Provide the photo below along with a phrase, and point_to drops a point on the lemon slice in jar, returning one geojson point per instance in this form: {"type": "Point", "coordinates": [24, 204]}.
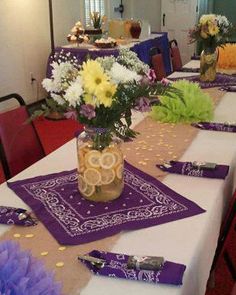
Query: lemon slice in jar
{"type": "Point", "coordinates": [92, 176]}
{"type": "Point", "coordinates": [119, 171]}
{"type": "Point", "coordinates": [92, 158]}
{"type": "Point", "coordinates": [89, 190]}
{"type": "Point", "coordinates": [82, 185]}
{"type": "Point", "coordinates": [107, 175]}
{"type": "Point", "coordinates": [118, 155]}
{"type": "Point", "coordinates": [107, 160]}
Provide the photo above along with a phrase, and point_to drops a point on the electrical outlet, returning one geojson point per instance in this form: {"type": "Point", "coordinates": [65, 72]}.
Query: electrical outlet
{"type": "Point", "coordinates": [32, 78]}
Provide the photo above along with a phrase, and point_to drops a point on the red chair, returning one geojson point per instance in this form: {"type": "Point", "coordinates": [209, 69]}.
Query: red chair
{"type": "Point", "coordinates": [20, 146]}
{"type": "Point", "coordinates": [223, 269]}
{"type": "Point", "coordinates": [234, 290]}
{"type": "Point", "coordinates": [175, 56]}
{"type": "Point", "coordinates": [157, 63]}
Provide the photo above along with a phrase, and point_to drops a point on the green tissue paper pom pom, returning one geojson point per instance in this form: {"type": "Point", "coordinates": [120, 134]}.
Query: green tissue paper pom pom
{"type": "Point", "coordinates": [193, 106]}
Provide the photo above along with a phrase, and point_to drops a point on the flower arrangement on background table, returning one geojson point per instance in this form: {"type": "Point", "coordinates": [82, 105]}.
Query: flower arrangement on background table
{"type": "Point", "coordinates": [211, 31]}
{"type": "Point", "coordinates": [101, 94]}
{"type": "Point", "coordinates": [97, 19]}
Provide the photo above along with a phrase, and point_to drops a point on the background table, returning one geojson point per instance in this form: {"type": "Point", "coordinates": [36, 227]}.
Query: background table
{"type": "Point", "coordinates": [141, 47]}
{"type": "Point", "coordinates": [191, 241]}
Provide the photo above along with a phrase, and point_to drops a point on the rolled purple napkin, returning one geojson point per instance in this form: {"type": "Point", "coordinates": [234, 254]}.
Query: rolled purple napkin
{"type": "Point", "coordinates": [229, 88]}
{"type": "Point", "coordinates": [17, 216]}
{"type": "Point", "coordinates": [189, 70]}
{"type": "Point", "coordinates": [187, 168]}
{"type": "Point", "coordinates": [116, 266]}
{"type": "Point", "coordinates": [226, 127]}
{"type": "Point", "coordinates": [195, 57]}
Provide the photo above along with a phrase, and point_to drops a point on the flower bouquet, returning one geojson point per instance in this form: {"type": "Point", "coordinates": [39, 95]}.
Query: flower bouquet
{"type": "Point", "coordinates": [211, 31]}
{"type": "Point", "coordinates": [101, 94]}
{"type": "Point", "coordinates": [97, 20]}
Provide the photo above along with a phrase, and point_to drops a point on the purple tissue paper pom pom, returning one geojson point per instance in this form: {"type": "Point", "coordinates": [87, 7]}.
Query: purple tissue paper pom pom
{"type": "Point", "coordinates": [22, 274]}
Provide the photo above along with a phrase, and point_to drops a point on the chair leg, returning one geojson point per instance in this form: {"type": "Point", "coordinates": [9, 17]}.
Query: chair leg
{"type": "Point", "coordinates": [5, 166]}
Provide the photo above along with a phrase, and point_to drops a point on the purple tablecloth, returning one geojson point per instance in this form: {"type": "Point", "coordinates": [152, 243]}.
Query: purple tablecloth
{"type": "Point", "coordinates": [142, 50]}
{"type": "Point", "coordinates": [116, 267]}
{"type": "Point", "coordinates": [221, 80]}
{"type": "Point", "coordinates": [71, 219]}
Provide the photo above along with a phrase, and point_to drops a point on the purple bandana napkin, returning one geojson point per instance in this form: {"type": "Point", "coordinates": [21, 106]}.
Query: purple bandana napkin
{"type": "Point", "coordinates": [225, 127]}
{"type": "Point", "coordinates": [221, 80]}
{"type": "Point", "coordinates": [195, 57]}
{"type": "Point", "coordinates": [74, 220]}
{"type": "Point", "coordinates": [229, 88]}
{"type": "Point", "coordinates": [18, 216]}
{"type": "Point", "coordinates": [116, 267]}
{"type": "Point", "coordinates": [189, 70]}
{"type": "Point", "coordinates": [186, 168]}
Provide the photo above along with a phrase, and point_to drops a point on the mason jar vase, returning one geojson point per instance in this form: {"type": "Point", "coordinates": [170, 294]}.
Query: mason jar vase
{"type": "Point", "coordinates": [100, 165]}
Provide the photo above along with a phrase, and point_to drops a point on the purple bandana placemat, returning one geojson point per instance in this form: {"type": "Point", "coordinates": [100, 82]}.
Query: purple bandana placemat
{"type": "Point", "coordinates": [186, 168]}
{"type": "Point", "coordinates": [73, 220]}
{"type": "Point", "coordinates": [17, 216]}
{"type": "Point", "coordinates": [225, 127]}
{"type": "Point", "coordinates": [116, 267]}
{"type": "Point", "coordinates": [221, 80]}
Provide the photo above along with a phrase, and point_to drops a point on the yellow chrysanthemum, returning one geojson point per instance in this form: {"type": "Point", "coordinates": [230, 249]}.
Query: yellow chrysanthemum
{"type": "Point", "coordinates": [206, 18]}
{"type": "Point", "coordinates": [91, 99]}
{"type": "Point", "coordinates": [93, 75]}
{"type": "Point", "coordinates": [203, 34]}
{"type": "Point", "coordinates": [213, 29]}
{"type": "Point", "coordinates": [105, 93]}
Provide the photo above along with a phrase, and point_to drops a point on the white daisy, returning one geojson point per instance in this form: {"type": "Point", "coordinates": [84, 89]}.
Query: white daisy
{"type": "Point", "coordinates": [73, 94]}
{"type": "Point", "coordinates": [120, 74]}
{"type": "Point", "coordinates": [58, 98]}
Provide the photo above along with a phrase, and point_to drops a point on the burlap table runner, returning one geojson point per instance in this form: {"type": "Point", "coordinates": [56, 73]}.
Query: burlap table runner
{"type": "Point", "coordinates": [155, 143]}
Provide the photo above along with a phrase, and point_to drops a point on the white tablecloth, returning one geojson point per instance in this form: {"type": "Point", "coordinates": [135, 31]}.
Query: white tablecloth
{"type": "Point", "coordinates": [191, 241]}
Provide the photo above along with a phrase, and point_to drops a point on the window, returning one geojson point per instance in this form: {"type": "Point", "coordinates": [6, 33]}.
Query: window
{"type": "Point", "coordinates": [91, 6]}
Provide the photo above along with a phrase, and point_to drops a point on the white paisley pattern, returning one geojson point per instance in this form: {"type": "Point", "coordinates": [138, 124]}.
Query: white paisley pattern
{"type": "Point", "coordinates": [188, 169]}
{"type": "Point", "coordinates": [149, 202]}
{"type": "Point", "coordinates": [118, 269]}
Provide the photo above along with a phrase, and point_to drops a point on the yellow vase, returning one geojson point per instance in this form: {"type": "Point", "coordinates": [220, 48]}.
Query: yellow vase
{"type": "Point", "coordinates": [208, 62]}
{"type": "Point", "coordinates": [100, 165]}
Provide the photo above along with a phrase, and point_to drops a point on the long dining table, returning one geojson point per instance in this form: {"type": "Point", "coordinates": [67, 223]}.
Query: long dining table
{"type": "Point", "coordinates": [191, 241]}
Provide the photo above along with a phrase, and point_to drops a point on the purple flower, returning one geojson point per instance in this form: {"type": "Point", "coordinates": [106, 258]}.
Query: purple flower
{"type": "Point", "coordinates": [143, 104]}
{"type": "Point", "coordinates": [71, 114]}
{"type": "Point", "coordinates": [88, 111]}
{"type": "Point", "coordinates": [151, 76]}
{"type": "Point", "coordinates": [165, 82]}
{"type": "Point", "coordinates": [22, 274]}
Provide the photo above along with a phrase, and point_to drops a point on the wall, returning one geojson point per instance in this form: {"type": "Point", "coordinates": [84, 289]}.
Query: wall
{"type": "Point", "coordinates": [111, 4]}
{"type": "Point", "coordinates": [138, 9]}
{"type": "Point", "coordinates": [64, 17]}
{"type": "Point", "coordinates": [227, 8]}
{"type": "Point", "coordinates": [25, 45]}
{"type": "Point", "coordinates": [25, 37]}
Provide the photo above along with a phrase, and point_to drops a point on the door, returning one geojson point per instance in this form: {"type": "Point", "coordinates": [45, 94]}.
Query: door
{"type": "Point", "coordinates": [178, 16]}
